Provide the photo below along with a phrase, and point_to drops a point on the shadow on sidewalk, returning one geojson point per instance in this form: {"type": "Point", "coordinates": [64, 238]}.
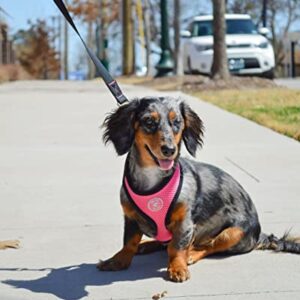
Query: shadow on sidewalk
{"type": "Point", "coordinates": [69, 283]}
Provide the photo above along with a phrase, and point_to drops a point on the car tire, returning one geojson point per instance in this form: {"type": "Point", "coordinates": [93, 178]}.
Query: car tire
{"type": "Point", "coordinates": [269, 74]}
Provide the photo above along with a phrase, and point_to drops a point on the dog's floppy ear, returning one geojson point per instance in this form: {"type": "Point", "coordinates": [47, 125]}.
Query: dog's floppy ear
{"type": "Point", "coordinates": [119, 127]}
{"type": "Point", "coordinates": [193, 131]}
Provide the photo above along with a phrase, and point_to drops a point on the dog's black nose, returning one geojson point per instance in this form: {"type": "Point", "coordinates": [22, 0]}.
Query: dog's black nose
{"type": "Point", "coordinates": [167, 151]}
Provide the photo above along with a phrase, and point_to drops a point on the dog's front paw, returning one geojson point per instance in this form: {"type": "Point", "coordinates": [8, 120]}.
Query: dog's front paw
{"type": "Point", "coordinates": [112, 264]}
{"type": "Point", "coordinates": [178, 273]}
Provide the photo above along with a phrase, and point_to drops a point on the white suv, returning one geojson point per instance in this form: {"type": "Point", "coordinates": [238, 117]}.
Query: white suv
{"type": "Point", "coordinates": [249, 52]}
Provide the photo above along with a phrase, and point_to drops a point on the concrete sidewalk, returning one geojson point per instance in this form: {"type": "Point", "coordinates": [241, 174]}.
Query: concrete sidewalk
{"type": "Point", "coordinates": [59, 191]}
{"type": "Point", "coordinates": [291, 83]}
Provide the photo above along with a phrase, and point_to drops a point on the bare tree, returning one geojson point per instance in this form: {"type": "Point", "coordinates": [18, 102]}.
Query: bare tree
{"type": "Point", "coordinates": [128, 38]}
{"type": "Point", "coordinates": [176, 34]}
{"type": "Point", "coordinates": [147, 24]}
{"type": "Point", "coordinates": [35, 51]}
{"type": "Point", "coordinates": [219, 68]}
{"type": "Point", "coordinates": [288, 11]}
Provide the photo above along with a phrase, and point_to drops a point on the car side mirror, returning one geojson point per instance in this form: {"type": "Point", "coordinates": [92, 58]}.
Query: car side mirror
{"type": "Point", "coordinates": [185, 34]}
{"type": "Point", "coordinates": [264, 31]}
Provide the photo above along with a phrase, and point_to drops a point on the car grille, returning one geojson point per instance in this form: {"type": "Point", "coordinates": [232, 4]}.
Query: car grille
{"type": "Point", "coordinates": [239, 46]}
{"type": "Point", "coordinates": [251, 63]}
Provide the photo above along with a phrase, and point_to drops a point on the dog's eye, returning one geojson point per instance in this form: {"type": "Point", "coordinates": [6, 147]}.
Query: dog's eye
{"type": "Point", "coordinates": [149, 124]}
{"type": "Point", "coordinates": [176, 125]}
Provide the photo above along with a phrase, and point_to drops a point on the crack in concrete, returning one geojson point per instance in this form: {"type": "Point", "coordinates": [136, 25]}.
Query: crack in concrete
{"type": "Point", "coordinates": [242, 169]}
{"type": "Point", "coordinates": [249, 293]}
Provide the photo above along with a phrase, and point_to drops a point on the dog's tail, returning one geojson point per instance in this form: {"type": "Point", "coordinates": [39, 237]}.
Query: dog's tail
{"type": "Point", "coordinates": [286, 243]}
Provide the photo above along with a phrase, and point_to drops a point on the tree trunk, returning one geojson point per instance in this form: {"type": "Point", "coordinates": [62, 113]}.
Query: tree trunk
{"type": "Point", "coordinates": [91, 67]}
{"type": "Point", "coordinates": [128, 51]}
{"type": "Point", "coordinates": [147, 29]}
{"type": "Point", "coordinates": [219, 68]}
{"type": "Point", "coordinates": [176, 36]}
{"type": "Point", "coordinates": [103, 33]}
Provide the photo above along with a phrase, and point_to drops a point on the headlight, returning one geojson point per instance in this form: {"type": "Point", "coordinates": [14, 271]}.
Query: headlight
{"type": "Point", "coordinates": [201, 48]}
{"type": "Point", "coordinates": [263, 45]}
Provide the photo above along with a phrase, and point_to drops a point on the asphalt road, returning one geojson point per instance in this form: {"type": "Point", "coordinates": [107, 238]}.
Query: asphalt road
{"type": "Point", "coordinates": [59, 190]}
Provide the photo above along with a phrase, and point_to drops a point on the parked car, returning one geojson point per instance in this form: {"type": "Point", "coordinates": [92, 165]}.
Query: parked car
{"type": "Point", "coordinates": [249, 51]}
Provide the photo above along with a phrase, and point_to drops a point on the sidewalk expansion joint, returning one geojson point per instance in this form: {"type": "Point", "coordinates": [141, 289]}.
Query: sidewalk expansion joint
{"type": "Point", "coordinates": [242, 169]}
{"type": "Point", "coordinates": [197, 296]}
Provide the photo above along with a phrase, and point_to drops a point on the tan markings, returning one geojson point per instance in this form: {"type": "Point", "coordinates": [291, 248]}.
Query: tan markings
{"type": "Point", "coordinates": [155, 115]}
{"type": "Point", "coordinates": [177, 216]}
{"type": "Point", "coordinates": [128, 210]}
{"type": "Point", "coordinates": [177, 136]}
{"type": "Point", "coordinates": [177, 268]}
{"type": "Point", "coordinates": [172, 115]}
{"type": "Point", "coordinates": [152, 141]}
{"type": "Point", "coordinates": [224, 241]}
{"type": "Point", "coordinates": [123, 258]}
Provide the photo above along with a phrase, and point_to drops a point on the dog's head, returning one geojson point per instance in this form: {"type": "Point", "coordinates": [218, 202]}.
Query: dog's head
{"type": "Point", "coordinates": [155, 126]}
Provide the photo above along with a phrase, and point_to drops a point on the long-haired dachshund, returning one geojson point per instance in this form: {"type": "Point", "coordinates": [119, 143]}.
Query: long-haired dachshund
{"type": "Point", "coordinates": [193, 209]}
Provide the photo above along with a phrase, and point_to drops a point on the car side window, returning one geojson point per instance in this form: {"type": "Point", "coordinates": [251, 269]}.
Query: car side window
{"type": "Point", "coordinates": [202, 28]}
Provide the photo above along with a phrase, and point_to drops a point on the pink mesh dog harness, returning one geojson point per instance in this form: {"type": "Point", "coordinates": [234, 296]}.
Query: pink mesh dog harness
{"type": "Point", "coordinates": [156, 206]}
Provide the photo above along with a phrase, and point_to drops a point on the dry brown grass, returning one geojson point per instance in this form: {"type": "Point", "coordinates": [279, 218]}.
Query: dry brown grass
{"type": "Point", "coordinates": [276, 108]}
{"type": "Point", "coordinates": [12, 73]}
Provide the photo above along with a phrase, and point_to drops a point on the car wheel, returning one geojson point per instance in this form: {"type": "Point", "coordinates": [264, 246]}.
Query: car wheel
{"type": "Point", "coordinates": [269, 74]}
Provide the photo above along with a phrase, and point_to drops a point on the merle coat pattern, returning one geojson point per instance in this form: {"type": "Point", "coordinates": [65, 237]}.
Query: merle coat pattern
{"type": "Point", "coordinates": [213, 212]}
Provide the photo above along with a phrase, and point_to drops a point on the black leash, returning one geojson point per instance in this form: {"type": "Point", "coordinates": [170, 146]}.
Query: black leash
{"type": "Point", "coordinates": [109, 81]}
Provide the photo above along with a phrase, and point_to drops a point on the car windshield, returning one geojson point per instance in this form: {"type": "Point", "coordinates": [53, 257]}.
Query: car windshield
{"type": "Point", "coordinates": [234, 26]}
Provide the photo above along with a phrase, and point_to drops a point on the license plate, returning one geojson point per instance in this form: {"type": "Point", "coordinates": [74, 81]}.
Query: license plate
{"type": "Point", "coordinates": [236, 64]}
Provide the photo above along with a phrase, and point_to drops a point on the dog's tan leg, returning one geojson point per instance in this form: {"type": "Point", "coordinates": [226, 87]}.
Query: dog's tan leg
{"type": "Point", "coordinates": [150, 246]}
{"type": "Point", "coordinates": [177, 269]}
{"type": "Point", "coordinates": [10, 244]}
{"type": "Point", "coordinates": [123, 258]}
{"type": "Point", "coordinates": [224, 241]}
{"type": "Point", "coordinates": [182, 232]}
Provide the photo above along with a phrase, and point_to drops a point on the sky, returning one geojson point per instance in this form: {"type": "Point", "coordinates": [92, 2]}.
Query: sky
{"type": "Point", "coordinates": [22, 10]}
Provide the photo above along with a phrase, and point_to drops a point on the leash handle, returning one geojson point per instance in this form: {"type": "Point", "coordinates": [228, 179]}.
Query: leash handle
{"type": "Point", "coordinates": [107, 78]}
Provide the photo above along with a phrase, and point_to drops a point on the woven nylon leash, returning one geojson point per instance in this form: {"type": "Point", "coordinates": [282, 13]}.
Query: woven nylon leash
{"type": "Point", "coordinates": [109, 81]}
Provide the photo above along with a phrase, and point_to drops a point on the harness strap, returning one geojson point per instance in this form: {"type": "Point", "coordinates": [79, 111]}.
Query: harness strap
{"type": "Point", "coordinates": [107, 78]}
{"type": "Point", "coordinates": [156, 207]}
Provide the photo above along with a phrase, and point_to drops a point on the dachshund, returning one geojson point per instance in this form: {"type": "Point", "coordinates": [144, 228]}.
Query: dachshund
{"type": "Point", "coordinates": [209, 212]}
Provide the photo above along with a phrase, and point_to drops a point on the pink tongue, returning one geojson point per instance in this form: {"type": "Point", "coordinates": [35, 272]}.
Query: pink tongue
{"type": "Point", "coordinates": [166, 164]}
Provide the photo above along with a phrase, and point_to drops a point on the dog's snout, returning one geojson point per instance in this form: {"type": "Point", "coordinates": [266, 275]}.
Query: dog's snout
{"type": "Point", "coordinates": [167, 151]}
